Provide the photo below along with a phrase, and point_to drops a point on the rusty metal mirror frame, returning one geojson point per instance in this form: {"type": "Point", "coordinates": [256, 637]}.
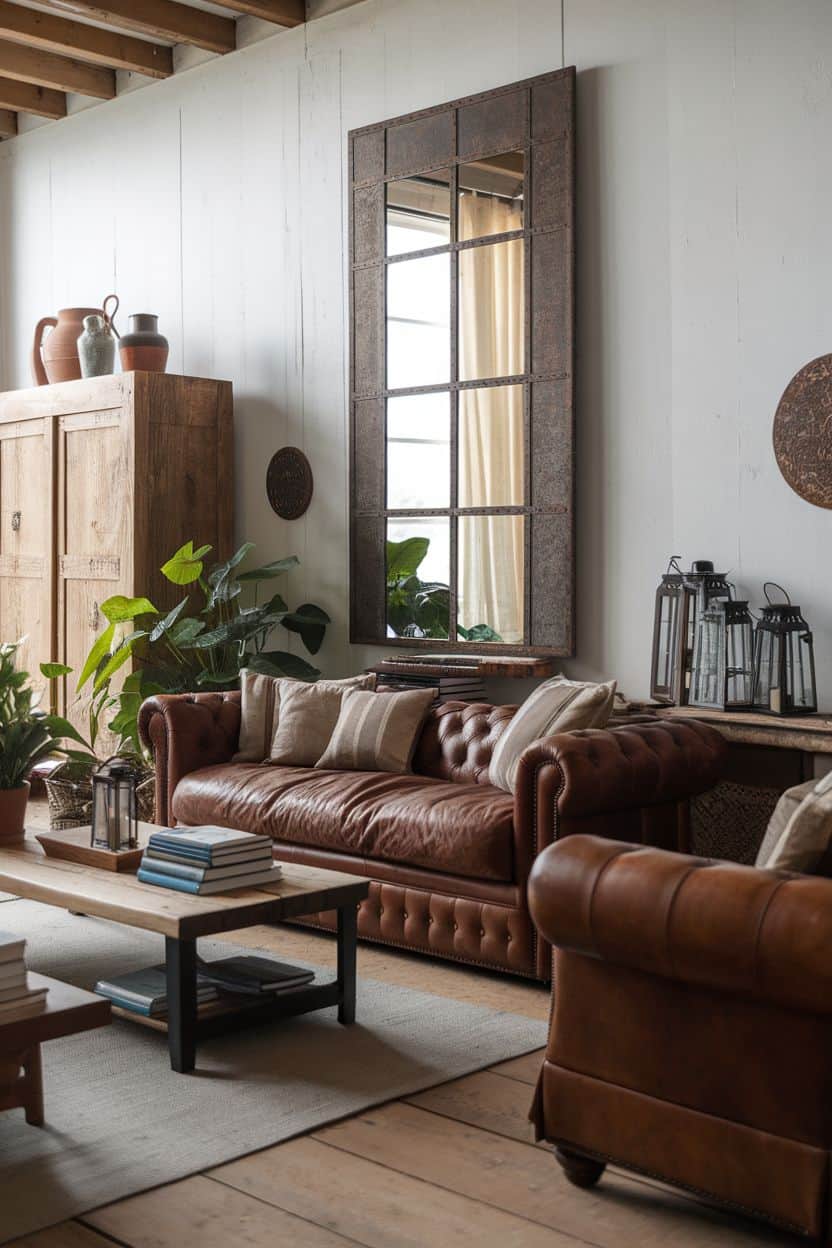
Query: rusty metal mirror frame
{"type": "Point", "coordinates": [536, 116]}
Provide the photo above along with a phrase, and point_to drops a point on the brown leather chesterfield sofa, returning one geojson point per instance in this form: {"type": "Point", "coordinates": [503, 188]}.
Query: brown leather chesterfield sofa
{"type": "Point", "coordinates": [691, 1038]}
{"type": "Point", "coordinates": [449, 854]}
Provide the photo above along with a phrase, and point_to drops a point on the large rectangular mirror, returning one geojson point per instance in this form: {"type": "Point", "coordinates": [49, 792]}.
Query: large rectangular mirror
{"type": "Point", "coordinates": [462, 353]}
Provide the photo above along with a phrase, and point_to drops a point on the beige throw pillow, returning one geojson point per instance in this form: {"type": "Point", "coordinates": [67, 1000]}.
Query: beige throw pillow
{"type": "Point", "coordinates": [806, 837]}
{"type": "Point", "coordinates": [308, 715]}
{"type": "Point", "coordinates": [377, 732]}
{"type": "Point", "coordinates": [260, 711]}
{"type": "Point", "coordinates": [558, 705]}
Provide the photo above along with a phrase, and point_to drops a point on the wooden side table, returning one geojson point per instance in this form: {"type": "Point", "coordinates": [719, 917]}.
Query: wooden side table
{"type": "Point", "coordinates": [768, 754]}
{"type": "Point", "coordinates": [67, 1011]}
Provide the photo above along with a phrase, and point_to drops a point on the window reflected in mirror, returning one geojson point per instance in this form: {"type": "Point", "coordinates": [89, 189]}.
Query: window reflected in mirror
{"type": "Point", "coordinates": [418, 322]}
{"type": "Point", "coordinates": [490, 195]}
{"type": "Point", "coordinates": [418, 576]}
{"type": "Point", "coordinates": [490, 561]}
{"type": "Point", "coordinates": [418, 212]}
{"type": "Point", "coordinates": [419, 451]}
{"type": "Point", "coordinates": [491, 447]}
{"type": "Point", "coordinates": [491, 321]}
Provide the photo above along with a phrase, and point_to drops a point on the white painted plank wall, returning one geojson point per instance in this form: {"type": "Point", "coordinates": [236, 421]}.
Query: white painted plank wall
{"type": "Point", "coordinates": [217, 199]}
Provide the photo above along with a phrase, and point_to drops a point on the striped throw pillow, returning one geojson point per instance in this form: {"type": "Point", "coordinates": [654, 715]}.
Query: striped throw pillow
{"type": "Point", "coordinates": [377, 731]}
{"type": "Point", "coordinates": [260, 714]}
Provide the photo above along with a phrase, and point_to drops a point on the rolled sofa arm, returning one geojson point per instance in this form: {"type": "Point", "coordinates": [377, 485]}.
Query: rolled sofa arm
{"type": "Point", "coordinates": [762, 934]}
{"type": "Point", "coordinates": [186, 731]}
{"type": "Point", "coordinates": [596, 775]}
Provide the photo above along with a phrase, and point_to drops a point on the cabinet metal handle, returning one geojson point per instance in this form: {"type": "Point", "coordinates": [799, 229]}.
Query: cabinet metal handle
{"type": "Point", "coordinates": [16, 516]}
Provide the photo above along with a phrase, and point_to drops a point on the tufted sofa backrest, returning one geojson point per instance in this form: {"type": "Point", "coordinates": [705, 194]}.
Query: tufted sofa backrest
{"type": "Point", "coordinates": [458, 740]}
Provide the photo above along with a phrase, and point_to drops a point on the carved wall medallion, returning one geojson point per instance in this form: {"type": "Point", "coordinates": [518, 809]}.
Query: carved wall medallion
{"type": "Point", "coordinates": [803, 432]}
{"type": "Point", "coordinates": [289, 482]}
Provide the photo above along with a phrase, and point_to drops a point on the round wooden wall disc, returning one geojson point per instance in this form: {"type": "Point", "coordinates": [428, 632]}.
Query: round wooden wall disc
{"type": "Point", "coordinates": [803, 432]}
{"type": "Point", "coordinates": [289, 482]}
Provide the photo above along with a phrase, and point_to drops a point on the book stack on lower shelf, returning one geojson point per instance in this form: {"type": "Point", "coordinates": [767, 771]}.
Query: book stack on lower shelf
{"type": "Point", "coordinates": [17, 999]}
{"type": "Point", "coordinates": [208, 860]}
{"type": "Point", "coordinates": [234, 982]}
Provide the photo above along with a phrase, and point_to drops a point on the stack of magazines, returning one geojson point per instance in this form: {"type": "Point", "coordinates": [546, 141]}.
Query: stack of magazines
{"type": "Point", "coordinates": [249, 979]}
{"type": "Point", "coordinates": [17, 999]}
{"type": "Point", "coordinates": [207, 860]}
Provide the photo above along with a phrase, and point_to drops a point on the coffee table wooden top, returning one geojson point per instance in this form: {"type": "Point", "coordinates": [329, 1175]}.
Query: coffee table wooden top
{"type": "Point", "coordinates": [27, 872]}
{"type": "Point", "coordinates": [67, 1011]}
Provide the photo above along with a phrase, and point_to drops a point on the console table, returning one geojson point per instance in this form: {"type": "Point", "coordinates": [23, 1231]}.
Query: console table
{"type": "Point", "coordinates": [768, 754]}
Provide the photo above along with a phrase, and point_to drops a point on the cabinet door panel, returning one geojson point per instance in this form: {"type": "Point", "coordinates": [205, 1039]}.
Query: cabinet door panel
{"type": "Point", "coordinates": [94, 537]}
{"type": "Point", "coordinates": [26, 541]}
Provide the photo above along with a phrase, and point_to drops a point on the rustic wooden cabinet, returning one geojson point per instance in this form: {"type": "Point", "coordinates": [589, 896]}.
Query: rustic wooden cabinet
{"type": "Point", "coordinates": [100, 482]}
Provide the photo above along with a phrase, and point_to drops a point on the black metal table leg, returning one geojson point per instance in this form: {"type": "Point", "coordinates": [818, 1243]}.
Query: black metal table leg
{"type": "Point", "coordinates": [347, 946]}
{"type": "Point", "coordinates": [180, 957]}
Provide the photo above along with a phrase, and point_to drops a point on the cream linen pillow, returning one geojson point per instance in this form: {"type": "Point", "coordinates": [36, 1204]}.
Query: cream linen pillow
{"type": "Point", "coordinates": [805, 839]}
{"type": "Point", "coordinates": [377, 731]}
{"type": "Point", "coordinates": [782, 813]}
{"type": "Point", "coordinates": [558, 705]}
{"type": "Point", "coordinates": [260, 711]}
{"type": "Point", "coordinates": [308, 715]}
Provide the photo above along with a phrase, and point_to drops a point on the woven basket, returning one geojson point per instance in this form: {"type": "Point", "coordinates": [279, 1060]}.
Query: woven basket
{"type": "Point", "coordinates": [70, 797]}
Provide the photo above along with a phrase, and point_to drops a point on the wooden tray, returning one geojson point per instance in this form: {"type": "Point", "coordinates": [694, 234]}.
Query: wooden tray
{"type": "Point", "coordinates": [73, 845]}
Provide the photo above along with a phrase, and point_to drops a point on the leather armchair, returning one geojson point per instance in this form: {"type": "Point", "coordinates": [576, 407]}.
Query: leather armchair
{"type": "Point", "coordinates": [691, 1036]}
{"type": "Point", "coordinates": [634, 782]}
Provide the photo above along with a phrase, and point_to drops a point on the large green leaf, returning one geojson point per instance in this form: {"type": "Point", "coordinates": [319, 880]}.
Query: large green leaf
{"type": "Point", "coordinates": [186, 565]}
{"type": "Point", "coordinates": [224, 587]}
{"type": "Point", "coordinates": [270, 570]}
{"type": "Point", "coordinates": [310, 622]}
{"type": "Point", "coordinates": [53, 670]}
{"type": "Point", "coordinates": [243, 627]}
{"type": "Point", "coordinates": [168, 622]}
{"type": "Point", "coordinates": [281, 663]}
{"type": "Point", "coordinates": [478, 632]}
{"type": "Point", "coordinates": [100, 649]}
{"type": "Point", "coordinates": [119, 658]}
{"type": "Point", "coordinates": [184, 632]}
{"type": "Point", "coordinates": [61, 729]}
{"type": "Point", "coordinates": [121, 610]}
{"type": "Point", "coordinates": [404, 558]}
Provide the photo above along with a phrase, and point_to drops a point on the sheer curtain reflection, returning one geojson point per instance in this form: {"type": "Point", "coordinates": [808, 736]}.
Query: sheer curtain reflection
{"type": "Point", "coordinates": [491, 437]}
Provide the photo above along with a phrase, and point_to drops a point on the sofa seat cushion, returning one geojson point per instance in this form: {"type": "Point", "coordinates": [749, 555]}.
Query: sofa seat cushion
{"type": "Point", "coordinates": [460, 829]}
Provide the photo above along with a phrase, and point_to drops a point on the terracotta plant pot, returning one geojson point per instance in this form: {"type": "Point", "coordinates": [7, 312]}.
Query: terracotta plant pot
{"type": "Point", "coordinates": [13, 814]}
{"type": "Point", "coordinates": [143, 348]}
{"type": "Point", "coordinates": [56, 359]}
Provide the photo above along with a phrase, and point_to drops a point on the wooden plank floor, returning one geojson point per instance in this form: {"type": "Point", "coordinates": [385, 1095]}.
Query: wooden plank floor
{"type": "Point", "coordinates": [454, 1164]}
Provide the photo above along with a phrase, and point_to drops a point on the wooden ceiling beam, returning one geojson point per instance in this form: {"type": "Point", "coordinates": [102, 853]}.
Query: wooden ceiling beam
{"type": "Point", "coordinates": [44, 69]}
{"type": "Point", "coordinates": [283, 12]}
{"type": "Point", "coordinates": [8, 124]}
{"type": "Point", "coordinates": [24, 97]}
{"type": "Point", "coordinates": [163, 19]}
{"type": "Point", "coordinates": [88, 43]}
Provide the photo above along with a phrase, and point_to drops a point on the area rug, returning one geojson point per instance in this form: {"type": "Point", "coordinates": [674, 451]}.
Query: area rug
{"type": "Point", "coordinates": [118, 1121]}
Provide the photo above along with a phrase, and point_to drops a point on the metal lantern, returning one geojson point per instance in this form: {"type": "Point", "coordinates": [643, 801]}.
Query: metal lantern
{"type": "Point", "coordinates": [784, 661]}
{"type": "Point", "coordinates": [114, 825]}
{"type": "Point", "coordinates": [680, 600]}
{"type": "Point", "coordinates": [722, 673]}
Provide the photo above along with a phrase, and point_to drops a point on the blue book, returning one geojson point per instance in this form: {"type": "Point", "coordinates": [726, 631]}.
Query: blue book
{"type": "Point", "coordinates": [192, 857]}
{"type": "Point", "coordinates": [268, 876]}
{"type": "Point", "coordinates": [210, 841]}
{"type": "Point", "coordinates": [189, 871]}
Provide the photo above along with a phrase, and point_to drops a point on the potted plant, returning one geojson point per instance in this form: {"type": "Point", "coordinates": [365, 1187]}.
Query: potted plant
{"type": "Point", "coordinates": [26, 737]}
{"type": "Point", "coordinates": [201, 645]}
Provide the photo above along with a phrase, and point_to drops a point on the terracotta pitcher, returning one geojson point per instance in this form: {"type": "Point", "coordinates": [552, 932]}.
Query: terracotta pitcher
{"type": "Point", "coordinates": [56, 359]}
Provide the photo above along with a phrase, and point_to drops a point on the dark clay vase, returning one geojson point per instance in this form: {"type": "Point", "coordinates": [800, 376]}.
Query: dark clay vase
{"type": "Point", "coordinates": [143, 348]}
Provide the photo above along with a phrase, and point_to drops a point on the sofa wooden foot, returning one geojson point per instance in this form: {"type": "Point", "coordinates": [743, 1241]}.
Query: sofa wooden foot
{"type": "Point", "coordinates": [581, 1171]}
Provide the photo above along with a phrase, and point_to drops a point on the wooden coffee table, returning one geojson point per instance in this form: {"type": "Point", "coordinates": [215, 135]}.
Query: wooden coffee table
{"type": "Point", "coordinates": [182, 918]}
{"type": "Point", "coordinates": [67, 1011]}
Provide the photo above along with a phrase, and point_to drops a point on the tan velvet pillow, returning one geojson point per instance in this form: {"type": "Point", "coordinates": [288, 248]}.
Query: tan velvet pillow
{"type": "Point", "coordinates": [558, 705]}
{"type": "Point", "coordinates": [260, 710]}
{"type": "Point", "coordinates": [806, 838]}
{"type": "Point", "coordinates": [377, 732]}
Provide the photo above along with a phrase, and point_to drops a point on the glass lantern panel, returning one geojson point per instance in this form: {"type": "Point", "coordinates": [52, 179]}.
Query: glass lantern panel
{"type": "Point", "coordinates": [665, 641]}
{"type": "Point", "coordinates": [800, 676]}
{"type": "Point", "coordinates": [738, 673]}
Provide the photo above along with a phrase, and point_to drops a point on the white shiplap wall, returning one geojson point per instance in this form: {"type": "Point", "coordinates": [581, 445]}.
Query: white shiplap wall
{"type": "Point", "coordinates": [217, 199]}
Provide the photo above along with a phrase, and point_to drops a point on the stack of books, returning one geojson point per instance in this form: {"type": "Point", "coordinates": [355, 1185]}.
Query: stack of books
{"type": "Point", "coordinates": [17, 999]}
{"type": "Point", "coordinates": [455, 678]}
{"type": "Point", "coordinates": [207, 860]}
{"type": "Point", "coordinates": [146, 991]}
{"type": "Point", "coordinates": [250, 976]}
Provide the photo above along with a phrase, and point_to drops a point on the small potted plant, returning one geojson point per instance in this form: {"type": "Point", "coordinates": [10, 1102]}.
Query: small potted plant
{"type": "Point", "coordinates": [26, 737]}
